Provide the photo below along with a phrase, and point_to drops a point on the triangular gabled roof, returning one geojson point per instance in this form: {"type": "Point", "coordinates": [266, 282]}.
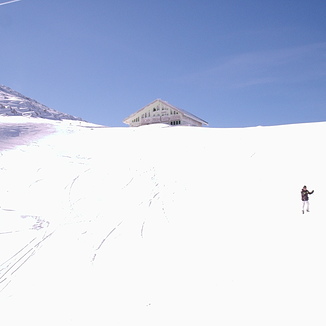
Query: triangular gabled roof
{"type": "Point", "coordinates": [184, 112]}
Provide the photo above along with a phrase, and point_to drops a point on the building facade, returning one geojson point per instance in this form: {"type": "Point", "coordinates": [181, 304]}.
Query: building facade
{"type": "Point", "coordinates": [160, 111]}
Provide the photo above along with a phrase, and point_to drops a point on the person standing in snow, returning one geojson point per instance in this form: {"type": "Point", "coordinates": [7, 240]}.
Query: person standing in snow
{"type": "Point", "coordinates": [305, 198]}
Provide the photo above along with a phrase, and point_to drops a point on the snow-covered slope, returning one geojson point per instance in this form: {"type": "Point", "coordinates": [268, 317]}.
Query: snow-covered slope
{"type": "Point", "coordinates": [162, 225]}
{"type": "Point", "coordinates": [13, 103]}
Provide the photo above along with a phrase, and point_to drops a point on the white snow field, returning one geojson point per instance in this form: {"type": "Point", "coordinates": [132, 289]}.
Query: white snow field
{"type": "Point", "coordinates": [161, 225]}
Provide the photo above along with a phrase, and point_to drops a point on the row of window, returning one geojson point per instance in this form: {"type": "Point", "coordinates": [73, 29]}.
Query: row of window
{"type": "Point", "coordinates": [173, 123]}
{"type": "Point", "coordinates": [158, 109]}
{"type": "Point", "coordinates": [135, 120]}
{"type": "Point", "coordinates": [148, 114]}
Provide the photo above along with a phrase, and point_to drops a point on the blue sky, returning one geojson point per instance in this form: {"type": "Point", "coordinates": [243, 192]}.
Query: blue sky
{"type": "Point", "coordinates": [233, 63]}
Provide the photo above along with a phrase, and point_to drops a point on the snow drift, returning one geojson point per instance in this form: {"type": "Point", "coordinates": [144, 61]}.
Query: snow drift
{"type": "Point", "coordinates": [161, 225]}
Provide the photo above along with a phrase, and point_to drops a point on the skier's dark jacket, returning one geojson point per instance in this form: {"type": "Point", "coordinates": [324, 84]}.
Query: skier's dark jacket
{"type": "Point", "coordinates": [305, 193]}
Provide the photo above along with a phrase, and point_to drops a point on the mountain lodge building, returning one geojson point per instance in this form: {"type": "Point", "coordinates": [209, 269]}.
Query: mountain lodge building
{"type": "Point", "coordinates": [162, 112]}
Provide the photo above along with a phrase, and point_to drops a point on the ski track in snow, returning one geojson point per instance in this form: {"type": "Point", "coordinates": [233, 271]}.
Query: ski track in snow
{"type": "Point", "coordinates": [10, 266]}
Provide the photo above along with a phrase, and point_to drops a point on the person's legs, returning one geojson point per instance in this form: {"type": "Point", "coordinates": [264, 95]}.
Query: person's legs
{"type": "Point", "coordinates": [305, 203]}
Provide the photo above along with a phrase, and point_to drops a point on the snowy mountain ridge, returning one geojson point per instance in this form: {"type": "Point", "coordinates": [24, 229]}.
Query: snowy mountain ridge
{"type": "Point", "coordinates": [12, 103]}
